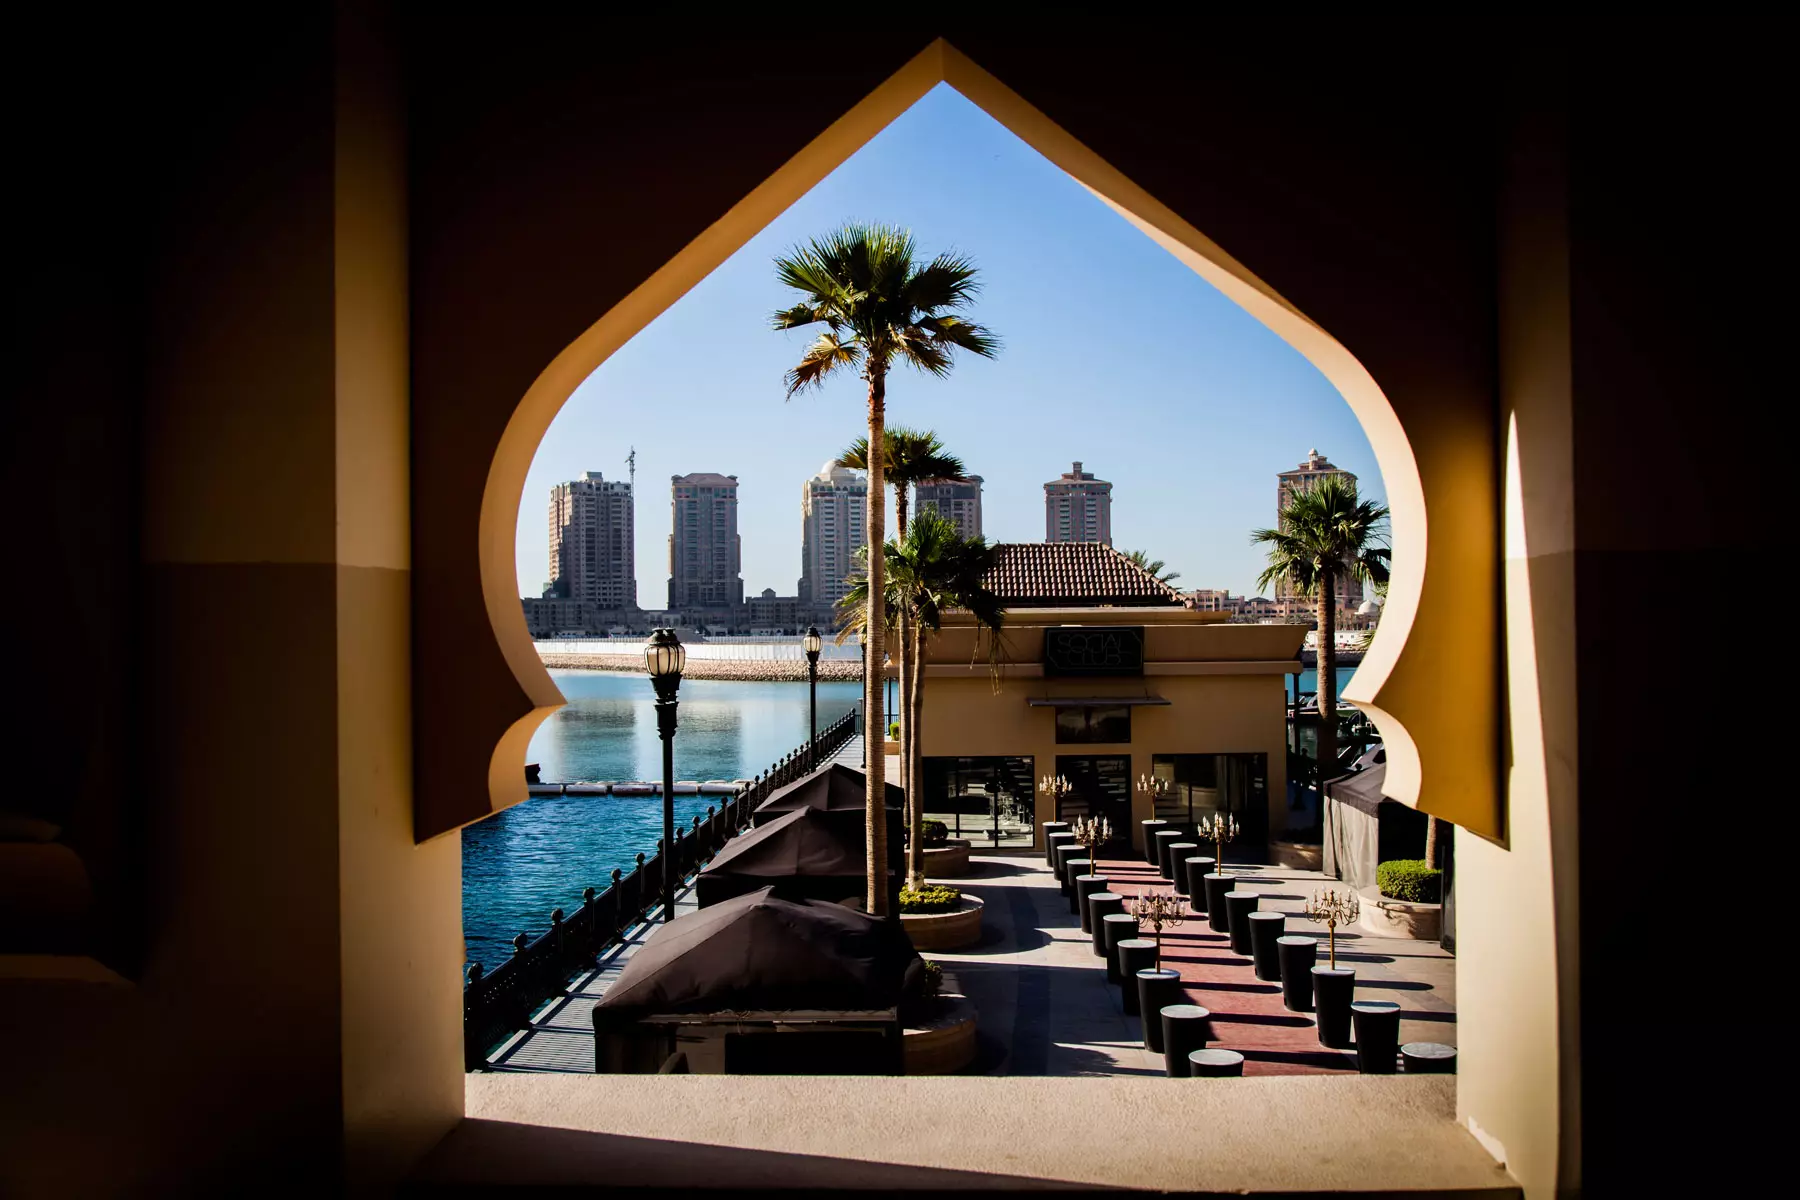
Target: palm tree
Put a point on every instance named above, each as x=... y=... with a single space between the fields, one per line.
x=1142 y=561
x=1327 y=533
x=928 y=571
x=879 y=306
x=913 y=456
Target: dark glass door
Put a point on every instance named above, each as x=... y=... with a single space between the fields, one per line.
x=1102 y=787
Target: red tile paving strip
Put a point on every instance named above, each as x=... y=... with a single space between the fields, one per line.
x=1247 y=1013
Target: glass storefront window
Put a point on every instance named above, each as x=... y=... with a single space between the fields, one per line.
x=1204 y=784
x=988 y=800
x=1081 y=726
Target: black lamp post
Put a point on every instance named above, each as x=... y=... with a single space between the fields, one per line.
x=813 y=643
x=665 y=656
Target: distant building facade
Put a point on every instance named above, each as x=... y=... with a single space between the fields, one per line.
x=705 y=555
x=592 y=542
x=1301 y=479
x=1078 y=508
x=549 y=616
x=834 y=511
x=956 y=500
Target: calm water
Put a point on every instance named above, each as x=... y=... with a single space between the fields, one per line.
x=536 y=856
x=1309 y=679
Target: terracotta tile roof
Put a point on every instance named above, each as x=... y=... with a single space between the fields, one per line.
x=1062 y=574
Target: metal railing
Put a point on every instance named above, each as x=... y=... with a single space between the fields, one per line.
x=499 y=1003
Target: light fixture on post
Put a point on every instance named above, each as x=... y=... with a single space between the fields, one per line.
x=812 y=643
x=664 y=658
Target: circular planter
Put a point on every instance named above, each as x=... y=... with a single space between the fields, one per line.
x=945 y=930
x=890 y=749
x=943 y=1043
x=1297 y=856
x=948 y=861
x=1399 y=918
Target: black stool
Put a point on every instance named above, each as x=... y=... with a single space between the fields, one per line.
x=1061 y=853
x=1085 y=886
x=1164 y=839
x=1332 y=993
x=1150 y=830
x=1073 y=866
x=1116 y=928
x=1135 y=954
x=1238 y=907
x=1184 y=1030
x=1156 y=990
x=1100 y=905
x=1197 y=869
x=1298 y=956
x=1054 y=827
x=1215 y=1064
x=1216 y=887
x=1428 y=1058
x=1266 y=929
x=1178 y=855
x=1377 y=1035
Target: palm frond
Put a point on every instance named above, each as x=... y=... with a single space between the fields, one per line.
x=822 y=358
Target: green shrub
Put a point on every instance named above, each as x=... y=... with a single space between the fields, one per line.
x=893 y=731
x=1411 y=880
x=936 y=833
x=930 y=899
x=934 y=979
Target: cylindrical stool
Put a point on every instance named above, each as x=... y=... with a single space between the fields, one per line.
x=1332 y=993
x=1266 y=929
x=1115 y=928
x=1216 y=887
x=1215 y=1064
x=1085 y=886
x=1060 y=854
x=1178 y=855
x=1074 y=866
x=1428 y=1058
x=1053 y=827
x=1156 y=989
x=1164 y=839
x=1100 y=905
x=1298 y=957
x=1238 y=907
x=1184 y=1030
x=1196 y=870
x=1135 y=954
x=1150 y=830
x=1377 y=1035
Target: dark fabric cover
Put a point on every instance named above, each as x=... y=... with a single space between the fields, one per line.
x=833 y=787
x=806 y=853
x=1364 y=829
x=761 y=952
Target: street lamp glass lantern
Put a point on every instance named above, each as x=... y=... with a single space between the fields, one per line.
x=812 y=641
x=664 y=655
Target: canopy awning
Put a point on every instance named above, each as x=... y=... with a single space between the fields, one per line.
x=1094 y=701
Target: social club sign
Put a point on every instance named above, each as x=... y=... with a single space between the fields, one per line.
x=1074 y=650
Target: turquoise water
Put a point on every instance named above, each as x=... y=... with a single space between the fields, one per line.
x=1309 y=679
x=536 y=856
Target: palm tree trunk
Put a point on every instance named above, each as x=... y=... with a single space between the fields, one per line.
x=915 y=770
x=902 y=630
x=1431 y=839
x=1327 y=660
x=875 y=837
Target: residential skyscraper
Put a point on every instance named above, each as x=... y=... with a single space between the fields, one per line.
x=705 y=558
x=834 y=507
x=956 y=500
x=1301 y=478
x=1078 y=508
x=592 y=531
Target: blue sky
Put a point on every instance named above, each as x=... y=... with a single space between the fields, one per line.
x=1113 y=353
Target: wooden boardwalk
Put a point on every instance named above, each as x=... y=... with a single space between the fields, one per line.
x=561 y=1035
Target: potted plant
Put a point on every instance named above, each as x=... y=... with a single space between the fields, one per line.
x=942 y=855
x=940 y=918
x=1406 y=900
x=1333 y=988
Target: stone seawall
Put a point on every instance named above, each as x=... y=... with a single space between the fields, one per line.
x=750 y=670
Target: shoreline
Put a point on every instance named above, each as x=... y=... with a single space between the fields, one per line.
x=747 y=671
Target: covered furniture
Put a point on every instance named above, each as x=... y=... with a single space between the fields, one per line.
x=843 y=792
x=804 y=854
x=1363 y=828
x=722 y=986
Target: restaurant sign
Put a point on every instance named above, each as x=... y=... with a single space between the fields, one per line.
x=1075 y=650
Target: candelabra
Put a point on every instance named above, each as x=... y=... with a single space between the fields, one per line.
x=1157 y=909
x=1058 y=789
x=1219 y=829
x=1333 y=908
x=1091 y=833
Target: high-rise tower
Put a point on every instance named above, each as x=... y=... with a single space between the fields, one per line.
x=1078 y=508
x=834 y=507
x=705 y=557
x=1300 y=479
x=956 y=500
x=592 y=531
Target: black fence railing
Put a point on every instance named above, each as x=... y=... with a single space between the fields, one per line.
x=499 y=1003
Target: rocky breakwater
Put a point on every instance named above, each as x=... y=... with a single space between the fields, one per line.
x=749 y=670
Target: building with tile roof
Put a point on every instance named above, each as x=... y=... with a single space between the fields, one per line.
x=1074 y=575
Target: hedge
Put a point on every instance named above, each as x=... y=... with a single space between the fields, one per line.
x=930 y=899
x=1409 y=879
